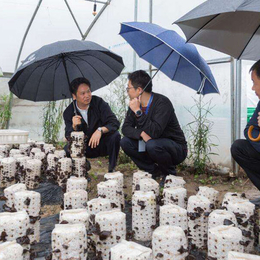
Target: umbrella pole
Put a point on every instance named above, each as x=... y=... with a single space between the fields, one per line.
x=202 y=85
x=67 y=75
x=155 y=73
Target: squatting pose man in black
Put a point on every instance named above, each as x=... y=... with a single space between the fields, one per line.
x=152 y=135
x=95 y=118
x=246 y=152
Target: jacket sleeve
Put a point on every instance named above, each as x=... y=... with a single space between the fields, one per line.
x=68 y=124
x=129 y=127
x=108 y=118
x=256 y=130
x=155 y=126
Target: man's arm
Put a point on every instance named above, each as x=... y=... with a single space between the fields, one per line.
x=155 y=126
x=254 y=121
x=109 y=124
x=129 y=127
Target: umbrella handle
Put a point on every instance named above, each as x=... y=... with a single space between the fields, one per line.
x=250 y=130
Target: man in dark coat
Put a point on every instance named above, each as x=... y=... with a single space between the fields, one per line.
x=246 y=152
x=152 y=135
x=95 y=118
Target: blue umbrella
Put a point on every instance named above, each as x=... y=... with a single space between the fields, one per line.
x=169 y=52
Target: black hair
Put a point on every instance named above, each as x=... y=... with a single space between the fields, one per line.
x=256 y=68
x=140 y=79
x=74 y=85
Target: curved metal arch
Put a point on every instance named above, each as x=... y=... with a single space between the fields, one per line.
x=10 y=103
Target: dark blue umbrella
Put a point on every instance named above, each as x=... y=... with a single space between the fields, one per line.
x=169 y=52
x=45 y=75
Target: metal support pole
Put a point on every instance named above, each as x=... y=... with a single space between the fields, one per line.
x=99 y=2
x=238 y=98
x=237 y=109
x=135 y=19
x=232 y=106
x=10 y=103
x=74 y=18
x=235 y=94
x=220 y=61
x=95 y=19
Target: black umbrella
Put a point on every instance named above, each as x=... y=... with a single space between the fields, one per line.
x=46 y=74
x=229 y=26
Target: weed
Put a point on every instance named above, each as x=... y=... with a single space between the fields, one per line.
x=52 y=121
x=118 y=101
x=99 y=163
x=5 y=111
x=93 y=175
x=199 y=130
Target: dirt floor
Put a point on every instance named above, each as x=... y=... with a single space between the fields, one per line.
x=223 y=184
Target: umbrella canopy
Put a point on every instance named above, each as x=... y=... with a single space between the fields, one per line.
x=232 y=27
x=168 y=52
x=45 y=75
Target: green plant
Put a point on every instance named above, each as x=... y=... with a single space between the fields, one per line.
x=200 y=136
x=118 y=101
x=5 y=111
x=93 y=175
x=99 y=163
x=60 y=144
x=52 y=121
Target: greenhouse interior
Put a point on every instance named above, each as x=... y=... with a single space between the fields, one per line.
x=129 y=130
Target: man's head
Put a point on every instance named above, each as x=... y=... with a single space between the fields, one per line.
x=81 y=91
x=255 y=76
x=137 y=81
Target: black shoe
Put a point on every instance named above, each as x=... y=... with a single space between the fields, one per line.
x=162 y=181
x=156 y=173
x=88 y=165
x=256 y=201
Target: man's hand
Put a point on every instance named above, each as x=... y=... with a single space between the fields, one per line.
x=258 y=119
x=134 y=104
x=76 y=120
x=94 y=140
x=145 y=136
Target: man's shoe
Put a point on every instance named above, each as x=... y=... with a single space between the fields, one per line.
x=88 y=165
x=156 y=173
x=161 y=180
x=256 y=201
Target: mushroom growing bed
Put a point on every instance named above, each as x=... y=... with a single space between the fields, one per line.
x=159 y=227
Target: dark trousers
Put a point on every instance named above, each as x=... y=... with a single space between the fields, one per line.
x=162 y=152
x=109 y=145
x=248 y=159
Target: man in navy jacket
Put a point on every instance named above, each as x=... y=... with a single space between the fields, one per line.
x=153 y=137
x=95 y=118
x=246 y=152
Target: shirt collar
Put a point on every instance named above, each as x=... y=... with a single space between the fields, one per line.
x=81 y=110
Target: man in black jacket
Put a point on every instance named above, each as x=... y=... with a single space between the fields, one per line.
x=95 y=118
x=246 y=152
x=153 y=137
